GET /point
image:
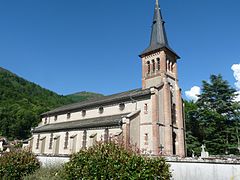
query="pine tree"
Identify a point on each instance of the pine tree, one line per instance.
(216, 116)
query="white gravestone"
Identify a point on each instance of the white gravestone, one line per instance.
(1, 146)
(204, 154)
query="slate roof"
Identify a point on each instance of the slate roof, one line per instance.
(158, 35)
(98, 122)
(106, 100)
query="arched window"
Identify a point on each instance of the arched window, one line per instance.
(106, 135)
(46, 119)
(145, 108)
(168, 65)
(158, 64)
(149, 67)
(84, 113)
(66, 140)
(38, 140)
(100, 110)
(174, 113)
(51, 141)
(121, 106)
(146, 139)
(68, 115)
(153, 66)
(84, 140)
(174, 139)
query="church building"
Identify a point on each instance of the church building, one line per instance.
(150, 118)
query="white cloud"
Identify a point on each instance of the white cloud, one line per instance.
(193, 93)
(236, 74)
(238, 97)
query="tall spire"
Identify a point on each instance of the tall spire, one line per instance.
(158, 35)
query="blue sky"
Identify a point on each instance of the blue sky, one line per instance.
(82, 45)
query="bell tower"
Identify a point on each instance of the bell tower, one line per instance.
(158, 60)
(159, 73)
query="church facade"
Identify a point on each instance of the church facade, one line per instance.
(150, 118)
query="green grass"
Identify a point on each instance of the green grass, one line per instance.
(45, 173)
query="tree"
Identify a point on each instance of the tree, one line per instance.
(215, 117)
(192, 128)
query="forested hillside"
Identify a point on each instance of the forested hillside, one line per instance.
(22, 102)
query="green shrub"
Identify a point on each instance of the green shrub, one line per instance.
(15, 165)
(110, 161)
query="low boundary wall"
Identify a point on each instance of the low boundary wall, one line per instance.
(181, 169)
(204, 171)
(52, 160)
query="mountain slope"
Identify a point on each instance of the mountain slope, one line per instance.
(22, 102)
(82, 96)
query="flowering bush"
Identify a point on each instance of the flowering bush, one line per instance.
(15, 165)
(111, 161)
